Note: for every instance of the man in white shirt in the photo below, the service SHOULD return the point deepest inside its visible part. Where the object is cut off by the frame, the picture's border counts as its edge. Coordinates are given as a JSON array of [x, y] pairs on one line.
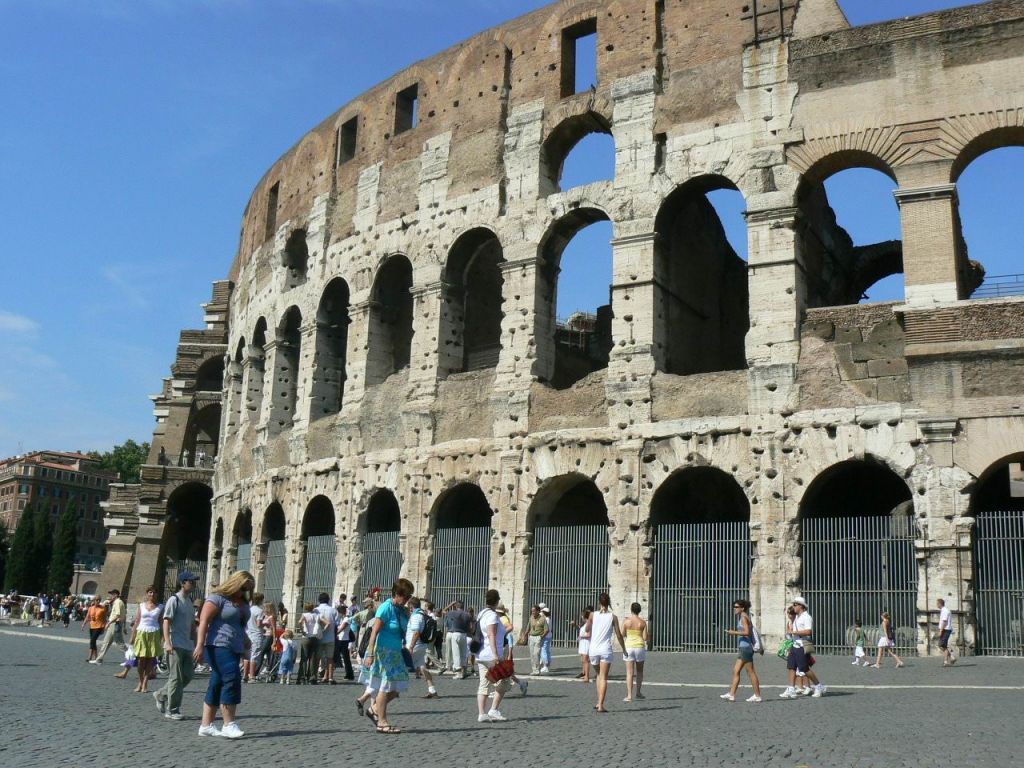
[[416, 645], [799, 659], [945, 632], [491, 652], [329, 615]]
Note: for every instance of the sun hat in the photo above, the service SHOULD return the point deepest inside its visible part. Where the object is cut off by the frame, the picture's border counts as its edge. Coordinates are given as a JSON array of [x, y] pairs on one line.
[[799, 601]]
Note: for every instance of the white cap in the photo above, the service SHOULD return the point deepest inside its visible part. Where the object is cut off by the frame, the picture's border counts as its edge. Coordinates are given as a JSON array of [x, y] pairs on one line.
[[799, 601], [542, 606]]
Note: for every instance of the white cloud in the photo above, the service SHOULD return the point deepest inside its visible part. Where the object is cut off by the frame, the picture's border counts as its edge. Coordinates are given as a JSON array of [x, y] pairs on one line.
[[17, 323]]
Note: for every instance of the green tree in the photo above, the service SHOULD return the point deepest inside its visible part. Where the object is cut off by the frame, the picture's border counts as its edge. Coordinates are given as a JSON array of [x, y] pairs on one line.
[[19, 564], [42, 550], [5, 548], [65, 544], [125, 459]]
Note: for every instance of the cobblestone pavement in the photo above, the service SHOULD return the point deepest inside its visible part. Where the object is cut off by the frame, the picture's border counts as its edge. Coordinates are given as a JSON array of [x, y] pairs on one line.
[[57, 709]]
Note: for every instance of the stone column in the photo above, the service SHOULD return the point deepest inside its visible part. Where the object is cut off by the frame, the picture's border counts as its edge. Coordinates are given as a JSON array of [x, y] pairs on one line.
[[629, 575], [258, 565], [304, 377], [355, 357], [233, 409], [424, 358], [253, 385]]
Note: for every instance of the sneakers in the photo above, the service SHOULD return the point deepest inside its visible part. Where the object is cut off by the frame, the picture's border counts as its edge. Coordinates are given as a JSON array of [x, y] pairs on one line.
[[232, 731], [805, 691], [483, 719], [161, 702], [496, 716], [174, 715], [755, 699], [856, 663], [789, 693], [95, 661], [727, 697], [819, 691], [544, 671], [208, 730], [523, 685]]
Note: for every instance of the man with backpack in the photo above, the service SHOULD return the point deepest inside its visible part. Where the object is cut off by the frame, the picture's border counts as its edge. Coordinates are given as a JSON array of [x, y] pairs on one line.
[[421, 632], [179, 641]]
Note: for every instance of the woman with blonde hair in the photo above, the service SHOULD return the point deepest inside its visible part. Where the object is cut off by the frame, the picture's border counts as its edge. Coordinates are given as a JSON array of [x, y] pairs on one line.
[[146, 638], [221, 636]]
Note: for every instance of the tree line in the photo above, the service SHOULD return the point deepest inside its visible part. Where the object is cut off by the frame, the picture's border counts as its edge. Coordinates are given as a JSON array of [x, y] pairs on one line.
[[39, 559]]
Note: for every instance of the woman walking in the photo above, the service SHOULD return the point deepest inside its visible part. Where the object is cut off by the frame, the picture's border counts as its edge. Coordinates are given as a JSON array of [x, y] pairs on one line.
[[745, 652], [221, 636], [312, 627], [96, 618], [254, 631], [886, 642], [635, 652], [583, 645], [388, 673], [146, 638], [601, 626]]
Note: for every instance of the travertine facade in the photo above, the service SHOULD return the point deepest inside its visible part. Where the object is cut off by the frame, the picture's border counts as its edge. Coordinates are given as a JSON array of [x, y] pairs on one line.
[[370, 230]]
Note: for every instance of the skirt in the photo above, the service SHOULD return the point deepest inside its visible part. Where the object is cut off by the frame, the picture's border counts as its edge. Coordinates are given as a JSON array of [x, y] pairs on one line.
[[388, 673], [147, 645], [583, 649]]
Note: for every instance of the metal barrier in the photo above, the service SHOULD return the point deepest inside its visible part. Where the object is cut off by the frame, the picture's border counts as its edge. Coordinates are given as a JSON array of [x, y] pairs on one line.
[[243, 558], [855, 568], [462, 566], [568, 570], [273, 571], [382, 562], [999, 594], [319, 572], [700, 569], [174, 567]]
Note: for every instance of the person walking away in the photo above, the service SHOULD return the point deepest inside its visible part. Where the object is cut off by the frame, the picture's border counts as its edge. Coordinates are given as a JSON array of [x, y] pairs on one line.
[[945, 632], [456, 629], [361, 623], [96, 618], [312, 629], [388, 675], [115, 627], [545, 646], [146, 636], [635, 652], [801, 628], [254, 631], [417, 646], [536, 629], [179, 627], [328, 638], [434, 646], [492, 646], [583, 645], [746, 640], [601, 626], [471, 632], [287, 666], [859, 641], [886, 642], [221, 637], [508, 652]]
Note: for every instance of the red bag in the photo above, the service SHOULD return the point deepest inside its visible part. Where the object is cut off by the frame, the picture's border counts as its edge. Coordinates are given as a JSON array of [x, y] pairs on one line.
[[501, 670]]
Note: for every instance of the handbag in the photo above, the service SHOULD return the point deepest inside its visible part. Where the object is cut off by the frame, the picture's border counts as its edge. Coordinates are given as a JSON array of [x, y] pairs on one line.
[[501, 670], [784, 649]]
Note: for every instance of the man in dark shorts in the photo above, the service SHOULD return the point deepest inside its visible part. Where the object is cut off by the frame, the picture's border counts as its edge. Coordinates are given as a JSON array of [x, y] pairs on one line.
[[945, 632], [797, 661]]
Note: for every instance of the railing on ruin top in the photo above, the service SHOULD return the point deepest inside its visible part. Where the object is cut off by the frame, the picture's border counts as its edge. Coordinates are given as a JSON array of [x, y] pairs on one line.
[[998, 286]]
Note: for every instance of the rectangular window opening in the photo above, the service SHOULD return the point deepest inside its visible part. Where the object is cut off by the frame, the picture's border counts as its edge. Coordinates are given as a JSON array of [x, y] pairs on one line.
[[407, 109], [347, 135], [579, 57], [271, 228]]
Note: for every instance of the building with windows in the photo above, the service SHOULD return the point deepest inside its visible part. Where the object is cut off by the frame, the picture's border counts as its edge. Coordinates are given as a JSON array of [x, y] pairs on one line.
[[50, 481]]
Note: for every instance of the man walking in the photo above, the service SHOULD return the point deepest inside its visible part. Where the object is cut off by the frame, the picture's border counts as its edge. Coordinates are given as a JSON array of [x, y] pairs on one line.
[[329, 618], [798, 660], [536, 628], [179, 626], [417, 636], [115, 627], [945, 632], [456, 628]]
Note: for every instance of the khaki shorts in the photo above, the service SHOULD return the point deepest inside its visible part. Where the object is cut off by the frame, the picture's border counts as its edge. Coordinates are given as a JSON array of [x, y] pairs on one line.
[[486, 686]]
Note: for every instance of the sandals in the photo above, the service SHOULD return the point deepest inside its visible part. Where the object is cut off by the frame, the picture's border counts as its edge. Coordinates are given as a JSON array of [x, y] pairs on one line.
[[359, 707], [389, 729], [372, 715]]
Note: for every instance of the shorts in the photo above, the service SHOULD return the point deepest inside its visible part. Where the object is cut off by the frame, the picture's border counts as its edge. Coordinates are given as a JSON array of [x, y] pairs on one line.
[[486, 686], [583, 648], [598, 658], [419, 656], [858, 652], [797, 659], [94, 635], [255, 647], [883, 642], [944, 638], [636, 654], [745, 653]]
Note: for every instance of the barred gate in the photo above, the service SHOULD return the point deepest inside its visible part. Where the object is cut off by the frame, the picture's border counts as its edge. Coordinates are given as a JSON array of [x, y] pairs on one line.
[[243, 557], [319, 571], [999, 594], [382, 562], [568, 570], [174, 567], [700, 569], [462, 566], [855, 568], [273, 571]]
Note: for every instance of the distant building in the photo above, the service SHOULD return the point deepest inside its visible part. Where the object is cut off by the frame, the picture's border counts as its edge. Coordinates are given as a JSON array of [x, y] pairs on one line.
[[49, 480]]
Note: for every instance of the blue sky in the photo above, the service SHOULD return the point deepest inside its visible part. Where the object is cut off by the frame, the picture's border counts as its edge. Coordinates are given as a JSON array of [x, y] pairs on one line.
[[131, 136]]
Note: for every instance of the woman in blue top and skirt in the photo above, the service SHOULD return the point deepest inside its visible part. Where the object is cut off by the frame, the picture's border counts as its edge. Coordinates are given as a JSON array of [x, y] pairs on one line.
[[388, 673]]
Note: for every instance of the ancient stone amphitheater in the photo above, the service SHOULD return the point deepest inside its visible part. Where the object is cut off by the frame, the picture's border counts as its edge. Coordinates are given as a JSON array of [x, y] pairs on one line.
[[383, 387]]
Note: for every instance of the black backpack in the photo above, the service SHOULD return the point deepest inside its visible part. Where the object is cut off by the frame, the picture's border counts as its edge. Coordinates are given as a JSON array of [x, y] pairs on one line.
[[429, 632]]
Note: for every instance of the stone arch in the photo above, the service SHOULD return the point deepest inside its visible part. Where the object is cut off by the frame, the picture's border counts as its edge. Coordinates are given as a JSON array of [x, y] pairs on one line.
[[1000, 488], [699, 494], [332, 321], [241, 540], [473, 281], [568, 500], [319, 518], [272, 554], [464, 505], [89, 588], [986, 141], [256, 377], [202, 436], [210, 375], [391, 319], [856, 488], [295, 259], [382, 513], [319, 549], [273, 526], [189, 514], [563, 138], [287, 360]]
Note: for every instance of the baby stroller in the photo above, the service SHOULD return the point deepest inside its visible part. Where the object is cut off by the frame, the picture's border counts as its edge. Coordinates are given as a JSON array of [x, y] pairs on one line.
[[271, 659]]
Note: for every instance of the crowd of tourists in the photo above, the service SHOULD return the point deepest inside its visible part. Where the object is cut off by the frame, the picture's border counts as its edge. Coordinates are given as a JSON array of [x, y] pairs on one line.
[[43, 609], [385, 643]]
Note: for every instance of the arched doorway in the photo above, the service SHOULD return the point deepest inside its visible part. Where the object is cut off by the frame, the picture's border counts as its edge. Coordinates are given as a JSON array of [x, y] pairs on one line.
[[275, 554], [332, 322], [242, 535], [321, 546], [462, 546], [471, 340], [998, 509], [187, 535], [381, 552], [702, 559], [569, 557], [391, 320], [857, 548], [201, 436], [286, 375]]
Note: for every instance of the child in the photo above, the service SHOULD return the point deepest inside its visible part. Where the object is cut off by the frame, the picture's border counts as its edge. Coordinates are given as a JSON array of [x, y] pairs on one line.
[[859, 639], [287, 657], [583, 645]]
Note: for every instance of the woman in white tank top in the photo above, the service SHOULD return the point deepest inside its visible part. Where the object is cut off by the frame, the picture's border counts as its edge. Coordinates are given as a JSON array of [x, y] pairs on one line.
[[603, 624], [146, 637]]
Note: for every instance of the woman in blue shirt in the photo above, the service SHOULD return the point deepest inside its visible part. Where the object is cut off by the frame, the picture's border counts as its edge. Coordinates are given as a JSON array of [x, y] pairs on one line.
[[388, 675]]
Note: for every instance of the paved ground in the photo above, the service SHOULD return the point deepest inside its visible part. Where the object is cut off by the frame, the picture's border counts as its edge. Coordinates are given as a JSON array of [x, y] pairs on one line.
[[58, 709]]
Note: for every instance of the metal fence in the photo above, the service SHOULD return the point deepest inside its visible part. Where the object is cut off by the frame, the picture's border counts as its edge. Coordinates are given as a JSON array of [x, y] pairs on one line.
[[382, 562], [243, 558], [700, 569], [462, 566], [273, 571], [174, 567], [319, 571], [855, 568], [999, 594], [568, 570]]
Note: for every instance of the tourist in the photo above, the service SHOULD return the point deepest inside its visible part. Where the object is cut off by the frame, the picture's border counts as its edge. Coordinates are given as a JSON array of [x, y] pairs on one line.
[[221, 637], [746, 641], [945, 632], [115, 627], [179, 626], [509, 648], [635, 652], [146, 635], [343, 653], [545, 646], [267, 642], [328, 637], [492, 644], [456, 633], [583, 645], [96, 618], [312, 628], [471, 655], [417, 637], [859, 641], [536, 629], [388, 675], [886, 642], [254, 631], [361, 627], [800, 629], [434, 650], [601, 626], [287, 666], [282, 614]]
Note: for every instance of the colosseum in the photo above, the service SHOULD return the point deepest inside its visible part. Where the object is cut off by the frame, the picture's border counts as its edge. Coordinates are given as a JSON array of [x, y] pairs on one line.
[[383, 385]]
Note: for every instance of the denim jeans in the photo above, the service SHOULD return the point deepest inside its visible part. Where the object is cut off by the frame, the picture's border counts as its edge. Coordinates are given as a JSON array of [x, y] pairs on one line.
[[545, 651], [225, 677]]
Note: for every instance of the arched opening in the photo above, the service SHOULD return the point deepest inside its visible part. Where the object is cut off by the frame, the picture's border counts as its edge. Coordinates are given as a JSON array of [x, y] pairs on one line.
[[210, 376], [201, 436], [235, 384], [568, 566], [186, 536], [380, 527], [318, 565], [997, 505], [857, 548], [391, 330], [574, 281], [702, 559], [580, 150], [286, 373], [332, 321], [296, 259], [216, 556], [275, 554], [242, 540], [471, 324], [850, 231], [989, 176], [702, 308], [89, 588], [254, 377], [461, 563]]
